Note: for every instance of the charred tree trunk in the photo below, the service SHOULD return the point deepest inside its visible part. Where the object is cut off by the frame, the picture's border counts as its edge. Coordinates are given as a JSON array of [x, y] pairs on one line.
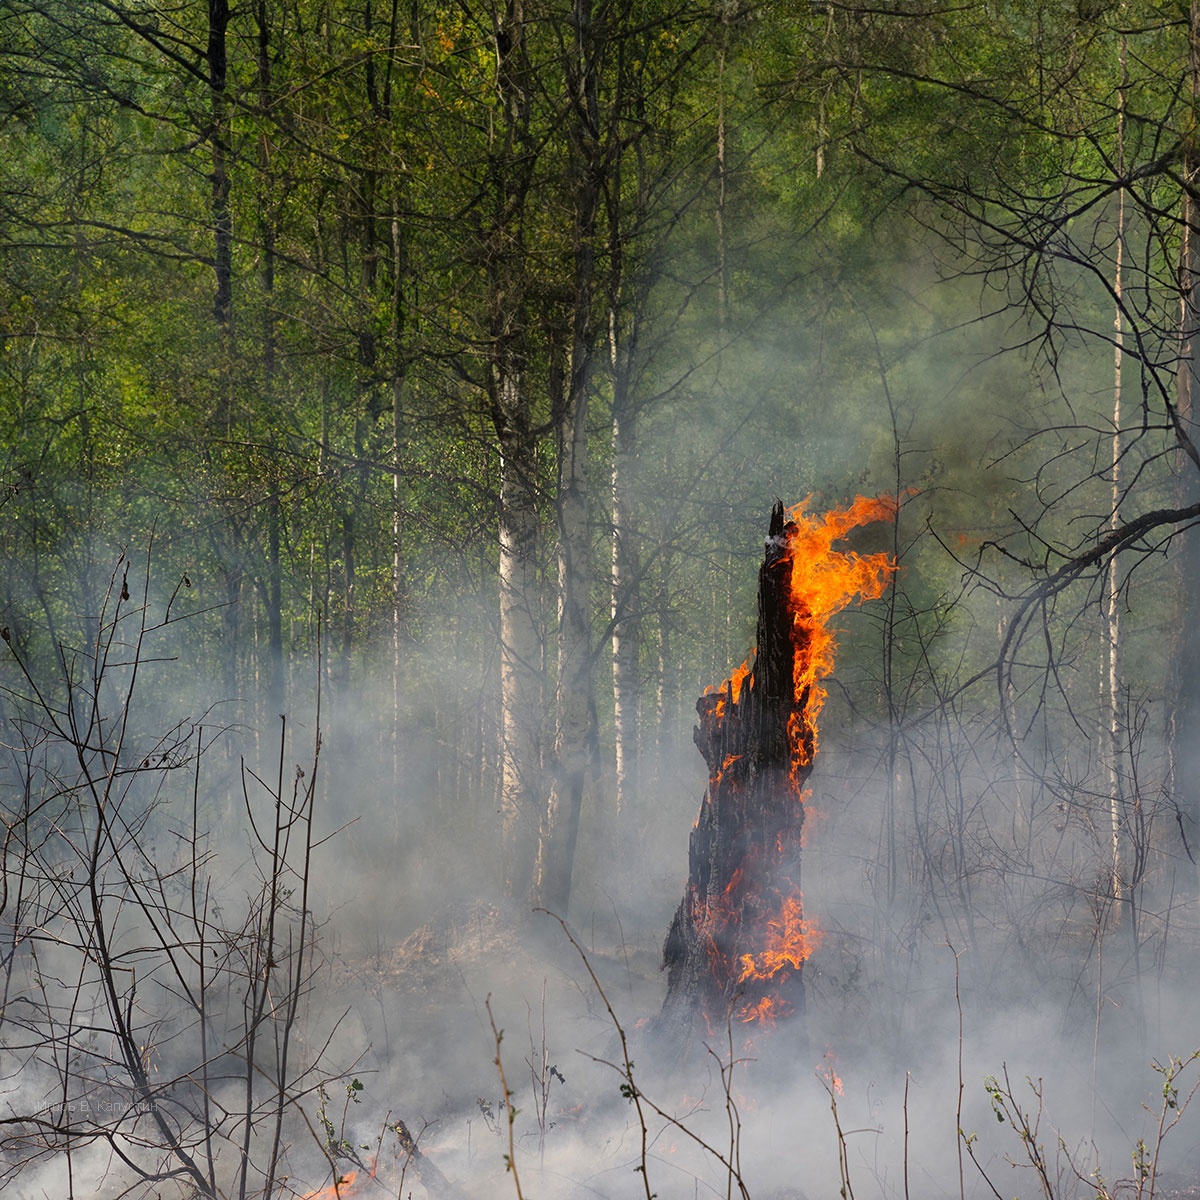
[[737, 946], [744, 856]]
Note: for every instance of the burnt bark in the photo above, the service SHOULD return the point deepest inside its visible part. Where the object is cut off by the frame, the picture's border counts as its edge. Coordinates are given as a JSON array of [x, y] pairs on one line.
[[430, 1178], [744, 854]]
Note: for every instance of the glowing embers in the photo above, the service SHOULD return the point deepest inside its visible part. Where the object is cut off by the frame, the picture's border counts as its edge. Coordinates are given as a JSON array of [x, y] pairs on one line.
[[770, 919]]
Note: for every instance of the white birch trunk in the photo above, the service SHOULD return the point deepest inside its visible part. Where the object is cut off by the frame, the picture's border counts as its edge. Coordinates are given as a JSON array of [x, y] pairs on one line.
[[626, 683], [1112, 616], [560, 830], [520, 650]]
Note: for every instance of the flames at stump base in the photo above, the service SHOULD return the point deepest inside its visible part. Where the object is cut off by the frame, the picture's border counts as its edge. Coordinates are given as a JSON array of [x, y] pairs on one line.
[[739, 940]]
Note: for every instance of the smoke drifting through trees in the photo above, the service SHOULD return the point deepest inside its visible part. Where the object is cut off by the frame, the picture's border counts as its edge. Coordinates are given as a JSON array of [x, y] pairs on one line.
[[448, 355]]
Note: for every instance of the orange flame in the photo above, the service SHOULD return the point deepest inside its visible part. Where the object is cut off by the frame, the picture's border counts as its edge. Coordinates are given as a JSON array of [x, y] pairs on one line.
[[766, 1011], [823, 582], [731, 688], [789, 942], [344, 1188], [338, 1191], [737, 679], [828, 1072]]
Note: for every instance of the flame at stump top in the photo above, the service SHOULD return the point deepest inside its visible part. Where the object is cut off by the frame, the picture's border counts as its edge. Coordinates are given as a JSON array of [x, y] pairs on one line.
[[739, 939]]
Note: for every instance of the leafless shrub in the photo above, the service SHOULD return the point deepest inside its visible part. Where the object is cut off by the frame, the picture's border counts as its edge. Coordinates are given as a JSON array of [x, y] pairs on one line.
[[155, 970]]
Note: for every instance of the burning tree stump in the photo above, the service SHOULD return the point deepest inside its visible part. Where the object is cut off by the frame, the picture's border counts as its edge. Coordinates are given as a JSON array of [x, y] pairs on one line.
[[737, 946]]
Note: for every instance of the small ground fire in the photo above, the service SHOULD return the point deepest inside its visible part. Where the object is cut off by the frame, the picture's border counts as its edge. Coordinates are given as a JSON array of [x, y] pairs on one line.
[[739, 940]]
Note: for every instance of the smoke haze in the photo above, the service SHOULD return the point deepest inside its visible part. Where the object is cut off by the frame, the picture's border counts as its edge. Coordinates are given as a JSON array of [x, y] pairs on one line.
[[957, 875]]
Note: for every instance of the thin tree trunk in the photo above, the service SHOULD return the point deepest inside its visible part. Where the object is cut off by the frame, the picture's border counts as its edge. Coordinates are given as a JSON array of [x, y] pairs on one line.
[[574, 707], [575, 729], [624, 604], [348, 528], [520, 648], [222, 220], [512, 155], [666, 687], [722, 258], [218, 136], [628, 300], [1112, 615], [624, 580], [273, 593], [399, 372], [1184, 731]]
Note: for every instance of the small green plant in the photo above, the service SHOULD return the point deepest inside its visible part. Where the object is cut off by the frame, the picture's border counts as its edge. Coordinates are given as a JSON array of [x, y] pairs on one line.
[[334, 1145], [1026, 1122], [1170, 1113]]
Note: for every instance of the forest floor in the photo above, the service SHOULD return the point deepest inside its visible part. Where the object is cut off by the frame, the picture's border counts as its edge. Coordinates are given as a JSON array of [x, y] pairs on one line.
[[575, 1135]]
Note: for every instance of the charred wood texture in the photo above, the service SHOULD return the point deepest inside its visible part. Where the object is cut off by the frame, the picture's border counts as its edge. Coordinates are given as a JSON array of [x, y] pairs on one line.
[[743, 893], [436, 1185]]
